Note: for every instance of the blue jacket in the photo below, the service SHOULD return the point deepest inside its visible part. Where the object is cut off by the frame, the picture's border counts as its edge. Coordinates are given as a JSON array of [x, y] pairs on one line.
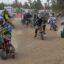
[[1, 17], [8, 27]]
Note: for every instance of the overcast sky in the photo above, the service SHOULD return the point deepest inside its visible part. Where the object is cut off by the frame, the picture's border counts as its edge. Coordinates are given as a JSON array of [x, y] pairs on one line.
[[22, 1]]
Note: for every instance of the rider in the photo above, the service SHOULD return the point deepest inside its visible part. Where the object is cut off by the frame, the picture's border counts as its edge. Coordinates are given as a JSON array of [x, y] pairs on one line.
[[40, 23], [7, 24], [2, 30], [52, 21], [7, 17], [5, 31]]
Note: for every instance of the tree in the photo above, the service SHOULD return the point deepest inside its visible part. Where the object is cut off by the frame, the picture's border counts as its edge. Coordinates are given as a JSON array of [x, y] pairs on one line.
[[54, 5], [1, 6], [58, 5], [17, 5], [16, 2], [46, 6], [37, 5], [33, 5], [30, 2], [26, 5], [48, 2]]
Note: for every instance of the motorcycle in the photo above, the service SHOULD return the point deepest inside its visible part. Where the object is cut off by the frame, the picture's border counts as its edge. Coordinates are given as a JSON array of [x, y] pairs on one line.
[[7, 49], [62, 31]]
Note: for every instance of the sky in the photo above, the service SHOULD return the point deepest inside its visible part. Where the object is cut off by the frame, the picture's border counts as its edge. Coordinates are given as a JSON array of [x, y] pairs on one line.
[[22, 1]]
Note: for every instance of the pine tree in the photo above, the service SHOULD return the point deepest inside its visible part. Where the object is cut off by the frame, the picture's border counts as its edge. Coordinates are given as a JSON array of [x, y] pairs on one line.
[[26, 5], [1, 6]]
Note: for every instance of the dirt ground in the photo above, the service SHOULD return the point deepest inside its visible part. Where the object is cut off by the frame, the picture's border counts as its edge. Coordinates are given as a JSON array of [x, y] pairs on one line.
[[30, 50]]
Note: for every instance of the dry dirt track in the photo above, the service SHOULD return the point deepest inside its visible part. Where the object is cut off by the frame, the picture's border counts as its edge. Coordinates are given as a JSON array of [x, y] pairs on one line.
[[32, 50]]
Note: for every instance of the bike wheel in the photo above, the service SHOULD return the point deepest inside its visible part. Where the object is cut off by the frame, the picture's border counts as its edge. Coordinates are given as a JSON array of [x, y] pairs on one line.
[[62, 34], [4, 55], [55, 28], [42, 36]]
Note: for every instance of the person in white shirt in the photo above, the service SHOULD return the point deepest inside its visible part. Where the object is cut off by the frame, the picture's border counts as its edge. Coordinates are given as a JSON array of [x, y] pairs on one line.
[[52, 21]]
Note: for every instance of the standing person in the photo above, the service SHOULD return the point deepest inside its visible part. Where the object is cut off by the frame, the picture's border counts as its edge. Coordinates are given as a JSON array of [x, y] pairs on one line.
[[28, 18], [52, 22], [24, 19], [40, 24]]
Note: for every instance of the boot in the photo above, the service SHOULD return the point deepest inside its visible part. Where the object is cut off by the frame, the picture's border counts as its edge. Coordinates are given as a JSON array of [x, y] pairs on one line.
[[36, 33]]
